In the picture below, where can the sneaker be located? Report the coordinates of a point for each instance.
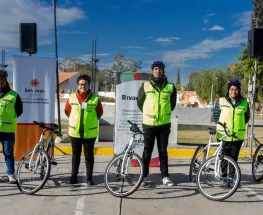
(12, 179)
(144, 182)
(90, 183)
(166, 181)
(228, 182)
(73, 180)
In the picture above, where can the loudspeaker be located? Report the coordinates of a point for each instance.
(255, 42)
(28, 38)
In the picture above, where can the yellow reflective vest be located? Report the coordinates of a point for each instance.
(234, 119)
(8, 117)
(83, 120)
(157, 105)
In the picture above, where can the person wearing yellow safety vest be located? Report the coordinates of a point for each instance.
(84, 110)
(157, 99)
(233, 109)
(11, 107)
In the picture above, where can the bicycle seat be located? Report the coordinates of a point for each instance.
(211, 131)
(53, 127)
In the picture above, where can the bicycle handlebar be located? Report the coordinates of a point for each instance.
(42, 125)
(134, 128)
(227, 133)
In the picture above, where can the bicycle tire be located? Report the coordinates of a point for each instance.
(193, 169)
(46, 177)
(232, 191)
(254, 162)
(137, 185)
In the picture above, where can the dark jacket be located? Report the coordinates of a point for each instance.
(158, 86)
(18, 106)
(216, 112)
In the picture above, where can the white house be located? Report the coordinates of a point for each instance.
(68, 84)
(67, 81)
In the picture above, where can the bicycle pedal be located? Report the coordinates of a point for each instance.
(54, 163)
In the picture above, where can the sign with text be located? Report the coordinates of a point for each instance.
(34, 79)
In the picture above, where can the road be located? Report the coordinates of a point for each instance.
(57, 197)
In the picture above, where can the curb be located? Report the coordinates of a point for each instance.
(172, 152)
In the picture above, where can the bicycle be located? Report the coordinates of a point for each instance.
(38, 161)
(224, 170)
(257, 160)
(120, 165)
(200, 154)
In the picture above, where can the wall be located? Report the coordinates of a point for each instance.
(185, 116)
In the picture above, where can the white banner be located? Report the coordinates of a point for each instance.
(34, 79)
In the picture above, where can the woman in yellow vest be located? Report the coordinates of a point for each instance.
(84, 110)
(233, 109)
(157, 99)
(11, 107)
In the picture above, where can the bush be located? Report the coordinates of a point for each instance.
(106, 99)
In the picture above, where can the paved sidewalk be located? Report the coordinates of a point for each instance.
(59, 198)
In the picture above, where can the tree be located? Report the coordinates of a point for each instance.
(70, 64)
(204, 80)
(258, 12)
(189, 85)
(122, 64)
(244, 64)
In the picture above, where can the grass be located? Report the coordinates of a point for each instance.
(258, 117)
(201, 136)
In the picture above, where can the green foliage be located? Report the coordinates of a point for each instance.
(202, 83)
(106, 99)
(122, 64)
(104, 77)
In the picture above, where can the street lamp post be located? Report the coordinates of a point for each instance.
(94, 61)
(212, 91)
(56, 53)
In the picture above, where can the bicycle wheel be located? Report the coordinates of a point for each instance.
(225, 184)
(123, 185)
(257, 164)
(31, 180)
(196, 162)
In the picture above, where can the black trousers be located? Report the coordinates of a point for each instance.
(88, 152)
(161, 133)
(232, 149)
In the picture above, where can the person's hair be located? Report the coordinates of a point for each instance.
(84, 77)
(3, 73)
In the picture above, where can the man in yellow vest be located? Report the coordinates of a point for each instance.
(233, 109)
(84, 110)
(11, 107)
(157, 99)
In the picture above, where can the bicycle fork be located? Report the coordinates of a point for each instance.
(126, 159)
(39, 159)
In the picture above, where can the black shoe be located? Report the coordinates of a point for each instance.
(90, 183)
(73, 180)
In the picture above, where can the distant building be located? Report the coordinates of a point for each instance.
(67, 82)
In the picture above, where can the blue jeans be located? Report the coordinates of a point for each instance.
(8, 151)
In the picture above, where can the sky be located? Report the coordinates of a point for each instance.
(188, 35)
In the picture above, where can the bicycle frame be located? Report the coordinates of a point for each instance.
(39, 145)
(124, 165)
(217, 154)
(128, 150)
